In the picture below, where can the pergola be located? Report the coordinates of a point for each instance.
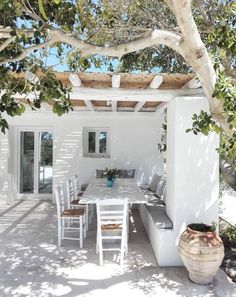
(124, 92)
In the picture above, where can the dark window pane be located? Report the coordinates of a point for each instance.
(92, 142)
(26, 162)
(102, 142)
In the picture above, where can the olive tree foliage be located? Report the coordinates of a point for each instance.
(168, 36)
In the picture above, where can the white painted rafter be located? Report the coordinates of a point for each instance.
(139, 105)
(75, 80)
(89, 104)
(116, 78)
(31, 77)
(114, 105)
(194, 83)
(156, 82)
(161, 106)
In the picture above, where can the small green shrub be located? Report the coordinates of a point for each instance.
(230, 233)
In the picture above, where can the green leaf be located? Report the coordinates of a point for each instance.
(56, 1)
(41, 9)
(22, 108)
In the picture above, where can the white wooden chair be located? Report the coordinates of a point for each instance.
(112, 216)
(77, 195)
(69, 220)
(72, 200)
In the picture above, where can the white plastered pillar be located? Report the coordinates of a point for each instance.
(192, 170)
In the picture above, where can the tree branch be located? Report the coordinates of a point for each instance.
(5, 32)
(156, 37)
(6, 43)
(203, 13)
(31, 12)
(27, 51)
(196, 55)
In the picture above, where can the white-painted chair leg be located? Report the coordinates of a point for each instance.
(63, 229)
(87, 216)
(100, 251)
(97, 244)
(59, 232)
(122, 251)
(81, 231)
(84, 226)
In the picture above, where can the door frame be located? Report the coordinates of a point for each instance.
(36, 131)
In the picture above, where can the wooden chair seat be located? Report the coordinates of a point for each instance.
(111, 226)
(72, 213)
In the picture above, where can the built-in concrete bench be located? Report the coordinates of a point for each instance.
(159, 216)
(158, 226)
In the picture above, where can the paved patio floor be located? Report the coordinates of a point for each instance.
(32, 265)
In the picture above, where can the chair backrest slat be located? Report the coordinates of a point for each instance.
(112, 211)
(70, 190)
(76, 185)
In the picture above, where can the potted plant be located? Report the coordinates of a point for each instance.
(202, 251)
(110, 173)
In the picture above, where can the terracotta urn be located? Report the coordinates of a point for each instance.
(201, 252)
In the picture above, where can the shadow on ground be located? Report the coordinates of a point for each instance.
(32, 265)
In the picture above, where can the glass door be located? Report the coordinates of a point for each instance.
(26, 162)
(36, 160)
(45, 163)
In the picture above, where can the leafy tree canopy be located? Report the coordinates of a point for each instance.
(29, 36)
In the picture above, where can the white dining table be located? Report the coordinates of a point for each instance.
(121, 189)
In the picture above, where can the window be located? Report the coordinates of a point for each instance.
(96, 142)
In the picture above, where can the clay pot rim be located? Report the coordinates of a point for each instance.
(198, 231)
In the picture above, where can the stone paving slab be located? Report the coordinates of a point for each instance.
(32, 265)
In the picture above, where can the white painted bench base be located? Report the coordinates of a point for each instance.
(163, 241)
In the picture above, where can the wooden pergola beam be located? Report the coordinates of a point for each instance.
(110, 94)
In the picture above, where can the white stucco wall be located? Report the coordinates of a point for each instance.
(134, 143)
(192, 166)
(4, 147)
(192, 180)
(192, 174)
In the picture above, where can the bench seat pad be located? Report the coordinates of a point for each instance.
(159, 216)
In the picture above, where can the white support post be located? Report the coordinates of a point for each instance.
(192, 175)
